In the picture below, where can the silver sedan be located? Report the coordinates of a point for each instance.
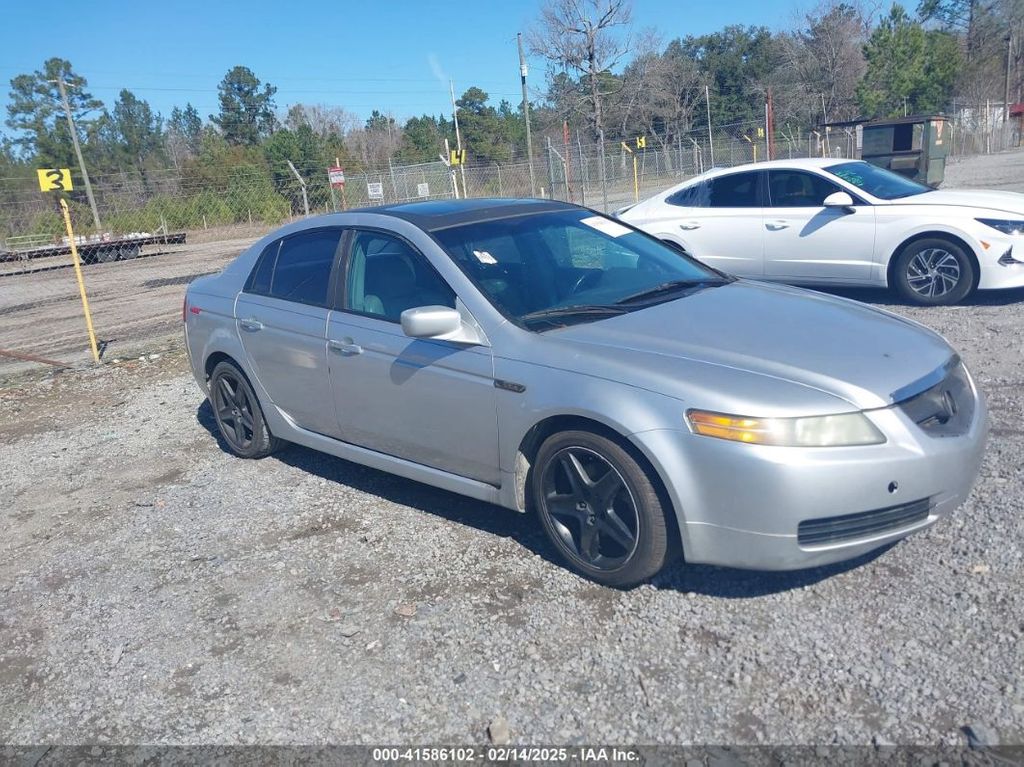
(546, 358)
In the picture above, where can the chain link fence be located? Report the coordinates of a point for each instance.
(172, 225)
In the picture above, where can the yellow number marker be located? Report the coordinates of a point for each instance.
(54, 179)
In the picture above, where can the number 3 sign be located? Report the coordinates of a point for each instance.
(54, 179)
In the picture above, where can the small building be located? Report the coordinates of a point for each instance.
(1017, 113)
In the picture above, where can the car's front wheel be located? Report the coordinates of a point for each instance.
(238, 413)
(600, 508)
(934, 272)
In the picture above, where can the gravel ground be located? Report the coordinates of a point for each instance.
(1003, 170)
(154, 589)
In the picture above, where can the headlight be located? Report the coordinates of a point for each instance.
(845, 429)
(1006, 226)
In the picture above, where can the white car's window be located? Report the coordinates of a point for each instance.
(297, 268)
(736, 190)
(876, 181)
(693, 196)
(798, 189)
(386, 276)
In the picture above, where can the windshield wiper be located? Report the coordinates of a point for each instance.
(580, 311)
(667, 288)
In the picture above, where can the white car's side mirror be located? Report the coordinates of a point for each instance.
(438, 322)
(838, 200)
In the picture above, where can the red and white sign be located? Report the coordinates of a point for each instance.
(336, 176)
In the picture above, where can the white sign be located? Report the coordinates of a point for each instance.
(375, 190)
(423, 190)
(336, 176)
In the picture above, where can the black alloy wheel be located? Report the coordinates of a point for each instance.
(238, 413)
(600, 508)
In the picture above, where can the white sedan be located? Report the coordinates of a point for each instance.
(843, 222)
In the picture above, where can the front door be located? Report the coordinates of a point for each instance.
(806, 242)
(427, 401)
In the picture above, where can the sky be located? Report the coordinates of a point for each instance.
(394, 55)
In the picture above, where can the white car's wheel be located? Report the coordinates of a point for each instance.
(934, 272)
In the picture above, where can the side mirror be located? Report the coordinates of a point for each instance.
(441, 323)
(838, 200)
(431, 322)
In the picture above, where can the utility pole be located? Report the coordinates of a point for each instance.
(78, 152)
(526, 113)
(458, 137)
(1006, 79)
(711, 141)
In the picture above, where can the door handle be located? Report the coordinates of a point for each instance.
(776, 225)
(346, 348)
(251, 325)
(688, 226)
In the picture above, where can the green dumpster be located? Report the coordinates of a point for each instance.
(914, 146)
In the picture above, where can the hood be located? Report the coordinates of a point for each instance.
(756, 336)
(1011, 202)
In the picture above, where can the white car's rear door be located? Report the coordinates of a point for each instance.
(718, 221)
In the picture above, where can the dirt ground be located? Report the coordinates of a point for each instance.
(136, 304)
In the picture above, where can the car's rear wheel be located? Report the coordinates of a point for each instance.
(600, 508)
(238, 413)
(934, 272)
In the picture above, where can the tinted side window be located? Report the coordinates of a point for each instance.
(738, 190)
(302, 270)
(386, 276)
(259, 280)
(694, 196)
(796, 189)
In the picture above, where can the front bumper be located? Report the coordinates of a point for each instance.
(1002, 264)
(741, 505)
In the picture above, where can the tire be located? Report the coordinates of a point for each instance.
(238, 413)
(107, 255)
(934, 272)
(599, 508)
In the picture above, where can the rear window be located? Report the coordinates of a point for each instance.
(297, 268)
(693, 196)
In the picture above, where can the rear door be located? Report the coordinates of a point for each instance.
(726, 231)
(806, 242)
(282, 321)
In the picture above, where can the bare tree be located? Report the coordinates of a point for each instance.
(660, 91)
(825, 61)
(588, 37)
(325, 121)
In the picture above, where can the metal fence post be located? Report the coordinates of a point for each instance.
(604, 174)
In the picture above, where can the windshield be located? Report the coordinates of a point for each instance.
(876, 181)
(567, 266)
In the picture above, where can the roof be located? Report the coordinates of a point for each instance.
(884, 122)
(433, 215)
(796, 162)
(874, 122)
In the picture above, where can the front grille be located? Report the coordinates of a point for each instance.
(861, 525)
(947, 408)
